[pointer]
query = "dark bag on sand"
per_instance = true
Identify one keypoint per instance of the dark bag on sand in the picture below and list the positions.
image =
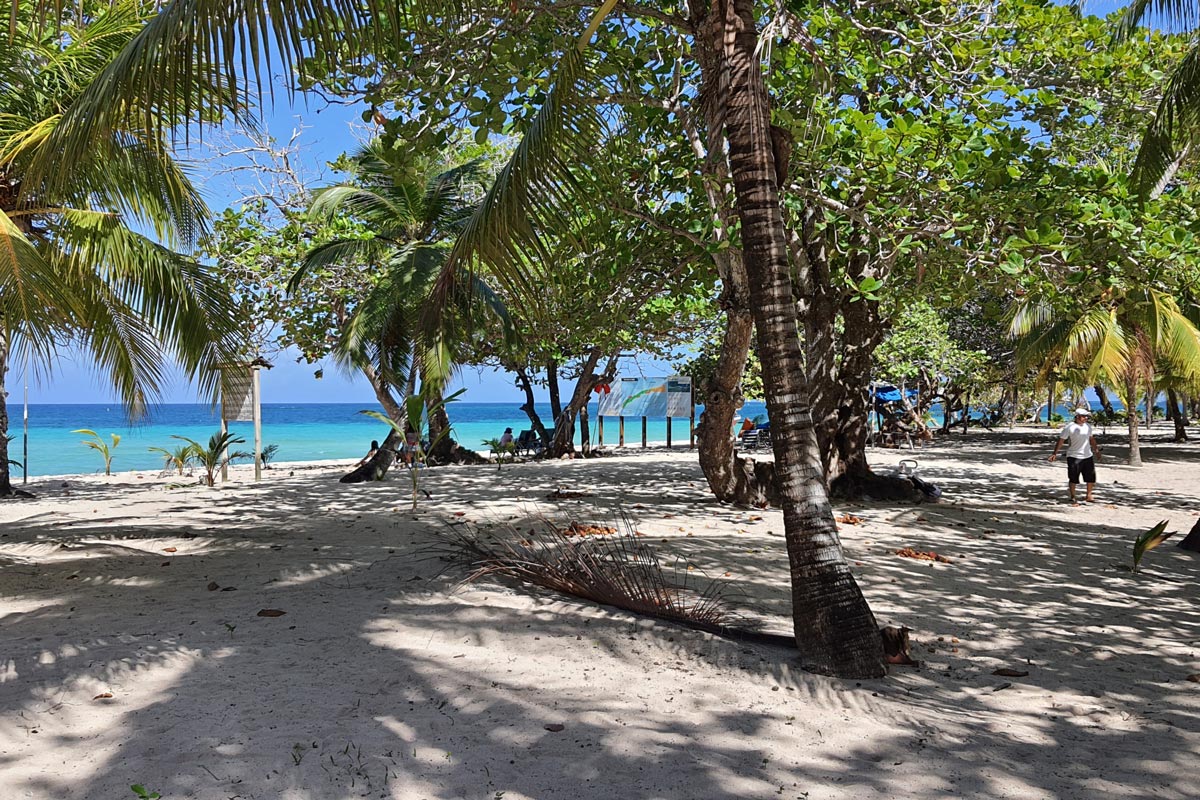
(930, 490)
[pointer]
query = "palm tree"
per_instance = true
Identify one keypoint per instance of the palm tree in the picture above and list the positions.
(1174, 132)
(833, 624)
(216, 454)
(412, 207)
(1119, 335)
(73, 265)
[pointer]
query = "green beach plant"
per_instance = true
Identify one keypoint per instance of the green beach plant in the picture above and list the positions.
(215, 454)
(501, 449)
(268, 453)
(11, 461)
(176, 459)
(98, 444)
(1150, 540)
(414, 408)
(144, 793)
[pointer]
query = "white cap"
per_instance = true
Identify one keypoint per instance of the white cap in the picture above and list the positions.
(1083, 412)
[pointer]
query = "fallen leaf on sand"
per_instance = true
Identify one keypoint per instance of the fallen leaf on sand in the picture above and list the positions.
(103, 696)
(730, 574)
(755, 519)
(922, 519)
(170, 549)
(166, 563)
(1009, 672)
(1194, 678)
(213, 586)
(585, 529)
(460, 513)
(1005, 685)
(271, 612)
(229, 589)
(555, 727)
(849, 519)
(908, 552)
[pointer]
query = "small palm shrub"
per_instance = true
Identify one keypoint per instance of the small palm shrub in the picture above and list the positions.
(217, 452)
(98, 444)
(177, 459)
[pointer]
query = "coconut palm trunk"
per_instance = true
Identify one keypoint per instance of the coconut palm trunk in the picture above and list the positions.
(1131, 416)
(834, 626)
(6, 489)
(1175, 412)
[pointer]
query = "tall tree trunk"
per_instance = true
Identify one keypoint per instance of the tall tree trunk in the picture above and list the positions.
(1175, 412)
(444, 450)
(6, 489)
(530, 407)
(1131, 416)
(564, 431)
(834, 626)
(377, 468)
(552, 387)
(731, 477)
(1105, 403)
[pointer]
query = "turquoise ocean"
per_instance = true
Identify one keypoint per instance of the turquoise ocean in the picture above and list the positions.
(303, 431)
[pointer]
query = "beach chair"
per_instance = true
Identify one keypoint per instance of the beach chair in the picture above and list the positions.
(528, 442)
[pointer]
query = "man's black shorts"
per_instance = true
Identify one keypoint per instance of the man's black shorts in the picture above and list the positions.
(1081, 466)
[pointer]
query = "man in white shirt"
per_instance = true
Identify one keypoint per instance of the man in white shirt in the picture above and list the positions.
(1082, 452)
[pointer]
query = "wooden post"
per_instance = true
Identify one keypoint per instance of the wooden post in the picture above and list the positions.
(255, 397)
(1050, 404)
(692, 426)
(668, 432)
(600, 429)
(644, 432)
(620, 431)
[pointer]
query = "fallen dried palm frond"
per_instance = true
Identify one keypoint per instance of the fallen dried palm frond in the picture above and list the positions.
(607, 564)
(908, 552)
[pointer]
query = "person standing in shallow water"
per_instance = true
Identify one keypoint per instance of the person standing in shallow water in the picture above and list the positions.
(1082, 452)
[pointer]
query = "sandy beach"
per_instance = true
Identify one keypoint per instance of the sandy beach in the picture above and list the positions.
(132, 652)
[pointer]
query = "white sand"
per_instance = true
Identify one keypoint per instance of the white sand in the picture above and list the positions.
(383, 681)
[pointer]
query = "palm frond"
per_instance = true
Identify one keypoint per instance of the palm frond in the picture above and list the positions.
(535, 197)
(34, 302)
(1170, 136)
(1097, 337)
(195, 58)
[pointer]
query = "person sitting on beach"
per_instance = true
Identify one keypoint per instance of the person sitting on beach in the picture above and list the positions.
(747, 426)
(370, 453)
(1082, 452)
(409, 449)
(506, 439)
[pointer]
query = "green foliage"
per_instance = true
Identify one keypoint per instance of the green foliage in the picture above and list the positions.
(500, 450)
(215, 454)
(268, 453)
(702, 365)
(1149, 540)
(176, 459)
(102, 447)
(74, 264)
(144, 793)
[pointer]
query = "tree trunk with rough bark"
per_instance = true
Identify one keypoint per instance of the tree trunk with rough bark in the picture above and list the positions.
(377, 468)
(530, 407)
(834, 626)
(553, 390)
(445, 449)
(1131, 417)
(6, 489)
(731, 477)
(1105, 403)
(564, 431)
(1175, 412)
